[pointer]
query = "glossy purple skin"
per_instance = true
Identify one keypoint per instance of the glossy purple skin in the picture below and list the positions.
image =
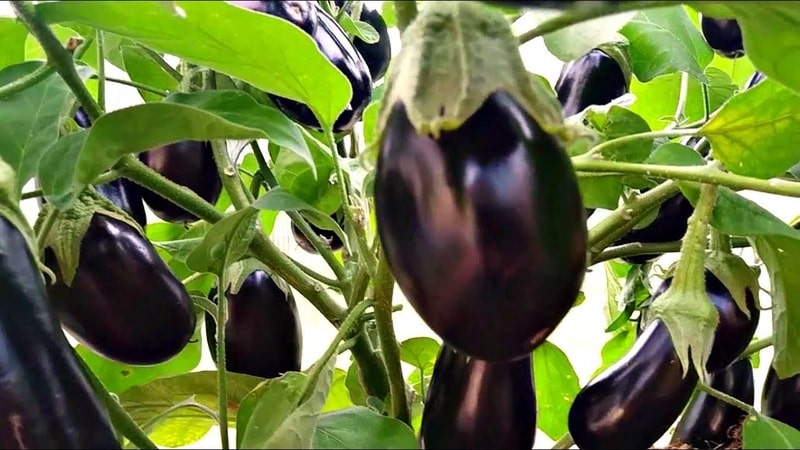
(263, 334)
(645, 390)
(46, 402)
(483, 229)
(124, 302)
(780, 398)
(755, 79)
(187, 163)
(475, 404)
(377, 55)
(723, 36)
(301, 13)
(707, 422)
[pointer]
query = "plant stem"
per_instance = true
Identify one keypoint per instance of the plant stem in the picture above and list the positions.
(344, 330)
(31, 79)
(32, 194)
(564, 441)
(383, 286)
(689, 268)
(101, 70)
(757, 346)
(162, 63)
(624, 218)
(720, 242)
(120, 418)
(230, 180)
(61, 60)
(586, 12)
(140, 86)
(726, 398)
(638, 248)
(317, 276)
(617, 142)
(406, 12)
(47, 224)
(681, 105)
(319, 245)
(222, 382)
(702, 174)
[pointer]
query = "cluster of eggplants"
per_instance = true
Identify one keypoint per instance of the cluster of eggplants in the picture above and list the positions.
(708, 422)
(263, 334)
(334, 44)
(332, 239)
(476, 404)
(377, 55)
(723, 36)
(483, 227)
(634, 401)
(593, 79)
(45, 399)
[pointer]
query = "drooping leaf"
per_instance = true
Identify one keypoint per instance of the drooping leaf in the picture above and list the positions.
(225, 242)
(556, 385)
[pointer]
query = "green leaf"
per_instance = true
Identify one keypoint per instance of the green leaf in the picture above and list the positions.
(299, 179)
(338, 397)
(674, 154)
(388, 13)
(556, 387)
(198, 116)
(278, 199)
(12, 41)
(420, 352)
(179, 249)
(226, 242)
(221, 36)
(142, 69)
(663, 41)
(357, 394)
(760, 431)
(34, 50)
(31, 118)
(615, 121)
(615, 348)
(576, 40)
(360, 427)
(187, 425)
(657, 99)
(600, 191)
(359, 29)
(756, 133)
(277, 416)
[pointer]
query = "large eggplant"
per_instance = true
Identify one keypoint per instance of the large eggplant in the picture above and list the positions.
(475, 404)
(124, 302)
(780, 398)
(334, 44)
(634, 401)
(125, 194)
(378, 54)
(723, 36)
(483, 228)
(45, 400)
(708, 421)
(187, 163)
(263, 334)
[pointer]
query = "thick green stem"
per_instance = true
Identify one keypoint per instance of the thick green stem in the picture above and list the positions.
(222, 382)
(101, 70)
(585, 11)
(317, 276)
(620, 141)
(638, 248)
(749, 409)
(230, 181)
(406, 12)
(757, 346)
(689, 268)
(31, 79)
(624, 218)
(57, 56)
(383, 290)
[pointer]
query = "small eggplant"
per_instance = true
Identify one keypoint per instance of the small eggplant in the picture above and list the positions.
(334, 242)
(723, 36)
(475, 404)
(780, 398)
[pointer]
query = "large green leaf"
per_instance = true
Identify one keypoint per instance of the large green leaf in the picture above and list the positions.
(12, 41)
(360, 427)
(663, 41)
(756, 132)
(270, 53)
(764, 432)
(75, 162)
(31, 118)
(574, 41)
(420, 352)
(142, 69)
(557, 385)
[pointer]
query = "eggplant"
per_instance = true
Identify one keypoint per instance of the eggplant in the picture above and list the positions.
(263, 333)
(646, 391)
(593, 79)
(377, 55)
(189, 164)
(124, 302)
(483, 228)
(45, 399)
(475, 404)
(780, 398)
(723, 36)
(334, 44)
(125, 194)
(708, 422)
(333, 240)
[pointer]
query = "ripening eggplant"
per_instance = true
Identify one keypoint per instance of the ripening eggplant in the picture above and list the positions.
(483, 228)
(780, 398)
(187, 163)
(723, 36)
(377, 55)
(45, 399)
(334, 44)
(646, 391)
(122, 192)
(756, 78)
(593, 79)
(124, 302)
(334, 241)
(708, 422)
(263, 334)
(475, 404)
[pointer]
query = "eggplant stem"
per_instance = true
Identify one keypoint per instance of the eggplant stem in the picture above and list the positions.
(757, 346)
(749, 409)
(638, 248)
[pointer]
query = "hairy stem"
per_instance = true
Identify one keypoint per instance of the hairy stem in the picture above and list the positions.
(689, 269)
(230, 181)
(101, 70)
(222, 381)
(406, 12)
(757, 346)
(22, 83)
(638, 248)
(383, 290)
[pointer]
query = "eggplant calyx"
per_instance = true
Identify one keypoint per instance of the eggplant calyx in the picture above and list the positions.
(737, 277)
(685, 307)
